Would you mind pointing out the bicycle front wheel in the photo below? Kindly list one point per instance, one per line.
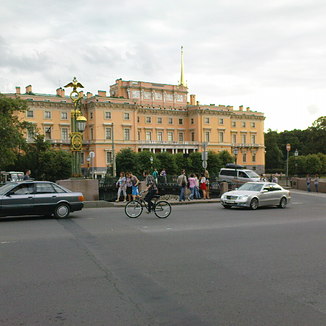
(162, 209)
(133, 209)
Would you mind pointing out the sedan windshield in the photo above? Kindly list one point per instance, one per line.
(251, 186)
(7, 187)
(252, 174)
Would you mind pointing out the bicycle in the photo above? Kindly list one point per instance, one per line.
(161, 208)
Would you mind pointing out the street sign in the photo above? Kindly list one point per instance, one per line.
(204, 156)
(288, 147)
(204, 164)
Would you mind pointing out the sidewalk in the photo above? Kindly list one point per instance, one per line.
(103, 203)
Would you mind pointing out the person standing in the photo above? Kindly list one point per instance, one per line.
(192, 186)
(197, 193)
(308, 182)
(121, 184)
(134, 189)
(155, 175)
(129, 186)
(202, 186)
(182, 183)
(163, 174)
(27, 175)
(206, 174)
(316, 182)
(151, 189)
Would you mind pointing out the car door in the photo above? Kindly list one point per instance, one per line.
(45, 198)
(19, 201)
(277, 193)
(266, 195)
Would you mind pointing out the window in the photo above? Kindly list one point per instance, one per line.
(108, 157)
(58, 189)
(30, 135)
(206, 120)
(253, 125)
(107, 115)
(244, 139)
(91, 133)
(170, 135)
(253, 139)
(148, 120)
(44, 188)
(180, 121)
(24, 189)
(159, 120)
(192, 121)
(221, 121)
(234, 124)
(47, 115)
(234, 138)
(192, 136)
(244, 157)
(138, 119)
(148, 135)
(138, 134)
(207, 136)
(82, 158)
(64, 134)
(64, 115)
(126, 116)
(47, 133)
(243, 124)
(108, 133)
(160, 136)
(30, 114)
(254, 157)
(221, 136)
(170, 121)
(91, 115)
(181, 137)
(126, 134)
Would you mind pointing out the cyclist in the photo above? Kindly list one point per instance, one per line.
(151, 189)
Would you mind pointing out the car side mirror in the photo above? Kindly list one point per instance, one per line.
(264, 190)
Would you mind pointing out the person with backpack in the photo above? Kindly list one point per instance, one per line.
(182, 183)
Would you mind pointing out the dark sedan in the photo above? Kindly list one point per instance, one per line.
(38, 198)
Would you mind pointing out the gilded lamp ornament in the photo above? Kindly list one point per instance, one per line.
(78, 124)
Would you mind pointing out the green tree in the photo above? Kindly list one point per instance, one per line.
(214, 163)
(126, 160)
(322, 158)
(183, 162)
(225, 157)
(274, 156)
(313, 164)
(167, 162)
(144, 161)
(11, 129)
(196, 162)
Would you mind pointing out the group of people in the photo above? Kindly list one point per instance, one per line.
(195, 184)
(128, 184)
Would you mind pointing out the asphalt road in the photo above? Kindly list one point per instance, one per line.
(204, 265)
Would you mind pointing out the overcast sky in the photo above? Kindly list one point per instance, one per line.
(268, 55)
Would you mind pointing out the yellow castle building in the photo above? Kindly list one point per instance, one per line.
(147, 116)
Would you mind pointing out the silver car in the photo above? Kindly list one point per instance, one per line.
(38, 198)
(257, 194)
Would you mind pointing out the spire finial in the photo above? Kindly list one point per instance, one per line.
(182, 78)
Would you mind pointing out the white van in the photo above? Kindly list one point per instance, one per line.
(239, 175)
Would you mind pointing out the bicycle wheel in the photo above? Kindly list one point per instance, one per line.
(162, 209)
(133, 209)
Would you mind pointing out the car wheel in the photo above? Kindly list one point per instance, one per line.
(254, 203)
(283, 202)
(227, 206)
(62, 211)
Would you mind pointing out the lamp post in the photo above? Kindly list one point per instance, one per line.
(78, 124)
(151, 159)
(296, 153)
(235, 152)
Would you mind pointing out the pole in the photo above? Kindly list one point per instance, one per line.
(287, 168)
(113, 153)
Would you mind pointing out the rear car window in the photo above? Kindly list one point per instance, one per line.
(44, 188)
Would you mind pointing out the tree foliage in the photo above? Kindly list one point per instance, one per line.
(11, 129)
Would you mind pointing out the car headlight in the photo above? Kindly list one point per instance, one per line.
(242, 198)
(223, 197)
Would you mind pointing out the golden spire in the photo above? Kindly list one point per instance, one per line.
(182, 78)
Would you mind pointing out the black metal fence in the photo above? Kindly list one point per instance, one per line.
(166, 186)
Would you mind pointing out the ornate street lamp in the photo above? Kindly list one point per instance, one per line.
(78, 124)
